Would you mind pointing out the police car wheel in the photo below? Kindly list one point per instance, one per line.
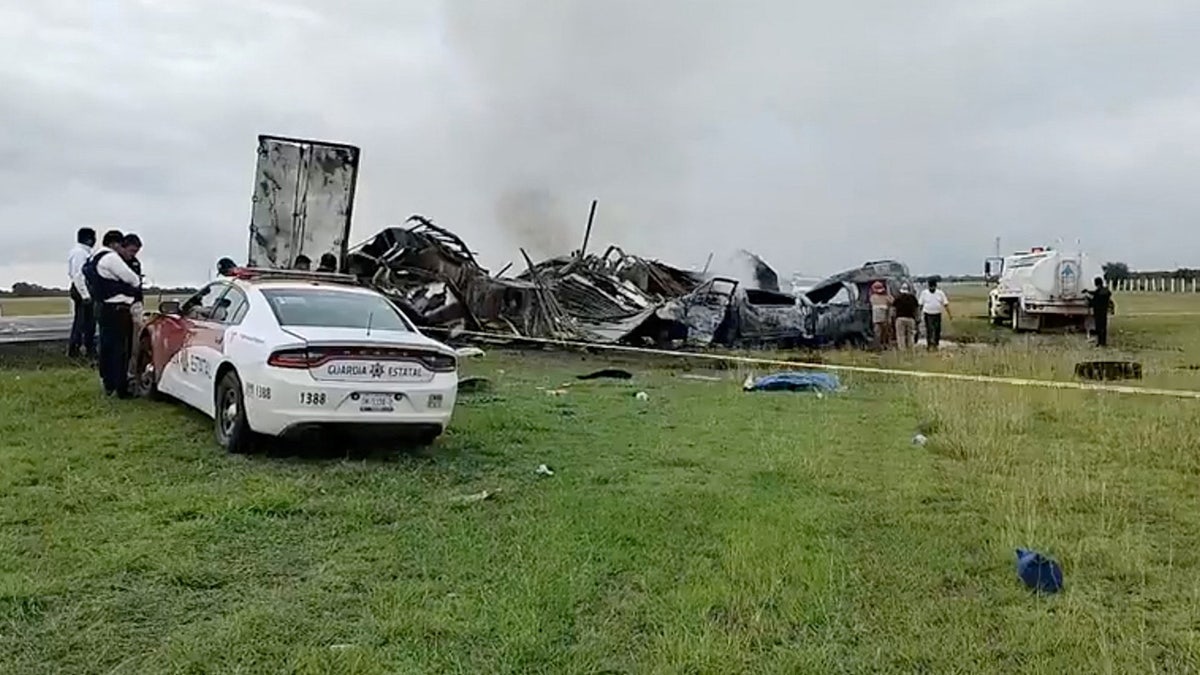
(426, 439)
(229, 416)
(145, 383)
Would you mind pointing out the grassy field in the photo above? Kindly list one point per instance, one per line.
(34, 306)
(702, 530)
(52, 306)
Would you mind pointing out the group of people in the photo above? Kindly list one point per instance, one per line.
(895, 317)
(106, 293)
(328, 263)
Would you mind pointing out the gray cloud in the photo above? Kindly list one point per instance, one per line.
(818, 134)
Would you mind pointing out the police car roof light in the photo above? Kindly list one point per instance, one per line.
(266, 274)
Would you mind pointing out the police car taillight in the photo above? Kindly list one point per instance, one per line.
(440, 363)
(290, 358)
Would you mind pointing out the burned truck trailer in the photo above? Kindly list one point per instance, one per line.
(302, 206)
(433, 276)
(303, 201)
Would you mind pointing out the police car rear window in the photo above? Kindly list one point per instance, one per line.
(333, 309)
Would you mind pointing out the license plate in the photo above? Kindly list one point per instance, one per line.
(376, 403)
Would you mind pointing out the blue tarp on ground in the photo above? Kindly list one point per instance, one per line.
(796, 381)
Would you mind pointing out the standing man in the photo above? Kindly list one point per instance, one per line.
(328, 263)
(881, 309)
(303, 263)
(83, 323)
(933, 303)
(131, 246)
(905, 307)
(1101, 302)
(115, 288)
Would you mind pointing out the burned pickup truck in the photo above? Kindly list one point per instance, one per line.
(842, 312)
(834, 312)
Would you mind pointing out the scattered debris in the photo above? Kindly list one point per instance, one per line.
(920, 439)
(469, 352)
(556, 392)
(793, 381)
(1038, 572)
(475, 498)
(1109, 370)
(607, 373)
(642, 396)
(474, 385)
(544, 470)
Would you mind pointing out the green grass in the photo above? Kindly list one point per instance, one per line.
(703, 530)
(35, 306)
(10, 307)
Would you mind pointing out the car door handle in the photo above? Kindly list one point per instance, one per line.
(220, 339)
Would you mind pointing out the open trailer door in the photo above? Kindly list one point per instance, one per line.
(303, 200)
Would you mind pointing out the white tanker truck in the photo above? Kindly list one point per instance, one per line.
(1041, 289)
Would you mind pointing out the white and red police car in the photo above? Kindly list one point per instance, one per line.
(274, 352)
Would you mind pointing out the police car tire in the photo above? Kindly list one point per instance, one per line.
(145, 389)
(239, 439)
(426, 439)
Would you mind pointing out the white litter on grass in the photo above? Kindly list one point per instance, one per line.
(920, 439)
(700, 378)
(544, 470)
(468, 352)
(642, 396)
(475, 498)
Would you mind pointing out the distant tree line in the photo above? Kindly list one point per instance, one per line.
(1119, 271)
(23, 289)
(1113, 271)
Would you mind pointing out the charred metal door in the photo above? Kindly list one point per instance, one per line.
(303, 201)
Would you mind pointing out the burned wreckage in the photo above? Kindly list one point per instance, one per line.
(434, 278)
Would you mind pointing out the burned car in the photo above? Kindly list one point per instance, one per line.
(841, 302)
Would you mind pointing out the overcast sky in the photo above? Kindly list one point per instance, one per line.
(818, 134)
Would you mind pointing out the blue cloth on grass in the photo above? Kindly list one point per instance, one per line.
(1038, 572)
(796, 381)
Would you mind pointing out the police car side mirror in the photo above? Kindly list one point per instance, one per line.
(169, 307)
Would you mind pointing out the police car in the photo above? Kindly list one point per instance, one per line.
(274, 352)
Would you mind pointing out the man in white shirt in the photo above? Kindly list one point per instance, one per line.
(115, 288)
(934, 304)
(83, 323)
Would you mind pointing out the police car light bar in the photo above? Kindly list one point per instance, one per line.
(269, 274)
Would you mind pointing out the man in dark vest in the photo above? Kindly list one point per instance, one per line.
(115, 287)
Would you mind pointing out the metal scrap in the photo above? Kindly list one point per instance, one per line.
(433, 276)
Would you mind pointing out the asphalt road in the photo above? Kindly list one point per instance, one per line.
(34, 328)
